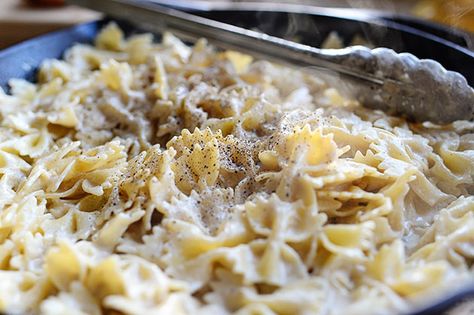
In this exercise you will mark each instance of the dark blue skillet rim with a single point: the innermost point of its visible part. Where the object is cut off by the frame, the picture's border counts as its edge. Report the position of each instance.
(443, 32)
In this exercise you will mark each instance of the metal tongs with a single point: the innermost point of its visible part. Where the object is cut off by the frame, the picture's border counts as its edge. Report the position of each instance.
(399, 84)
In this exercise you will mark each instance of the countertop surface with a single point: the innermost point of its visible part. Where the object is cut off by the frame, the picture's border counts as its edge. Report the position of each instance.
(19, 21)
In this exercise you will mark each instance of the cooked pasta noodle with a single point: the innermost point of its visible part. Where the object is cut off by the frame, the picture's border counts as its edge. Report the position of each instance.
(157, 178)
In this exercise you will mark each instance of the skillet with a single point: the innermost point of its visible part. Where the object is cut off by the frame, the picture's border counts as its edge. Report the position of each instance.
(310, 25)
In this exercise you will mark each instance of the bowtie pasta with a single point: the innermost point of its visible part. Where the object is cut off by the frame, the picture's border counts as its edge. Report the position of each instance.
(145, 178)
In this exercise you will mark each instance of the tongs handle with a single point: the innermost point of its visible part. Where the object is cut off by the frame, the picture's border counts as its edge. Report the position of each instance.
(380, 78)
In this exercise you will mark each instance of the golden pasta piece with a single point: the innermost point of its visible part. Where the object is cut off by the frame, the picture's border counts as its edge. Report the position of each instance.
(388, 264)
(138, 48)
(116, 76)
(162, 185)
(278, 264)
(196, 238)
(239, 61)
(52, 69)
(365, 204)
(197, 163)
(191, 174)
(178, 47)
(458, 162)
(311, 294)
(140, 171)
(318, 148)
(105, 278)
(290, 222)
(350, 240)
(79, 224)
(269, 159)
(13, 161)
(76, 301)
(65, 117)
(421, 278)
(187, 139)
(110, 234)
(22, 291)
(63, 266)
(22, 89)
(51, 88)
(161, 81)
(110, 37)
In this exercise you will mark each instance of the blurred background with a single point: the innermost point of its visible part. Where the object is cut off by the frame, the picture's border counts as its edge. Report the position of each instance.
(22, 19)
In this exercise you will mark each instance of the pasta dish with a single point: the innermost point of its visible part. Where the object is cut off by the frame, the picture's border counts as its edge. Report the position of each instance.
(157, 178)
